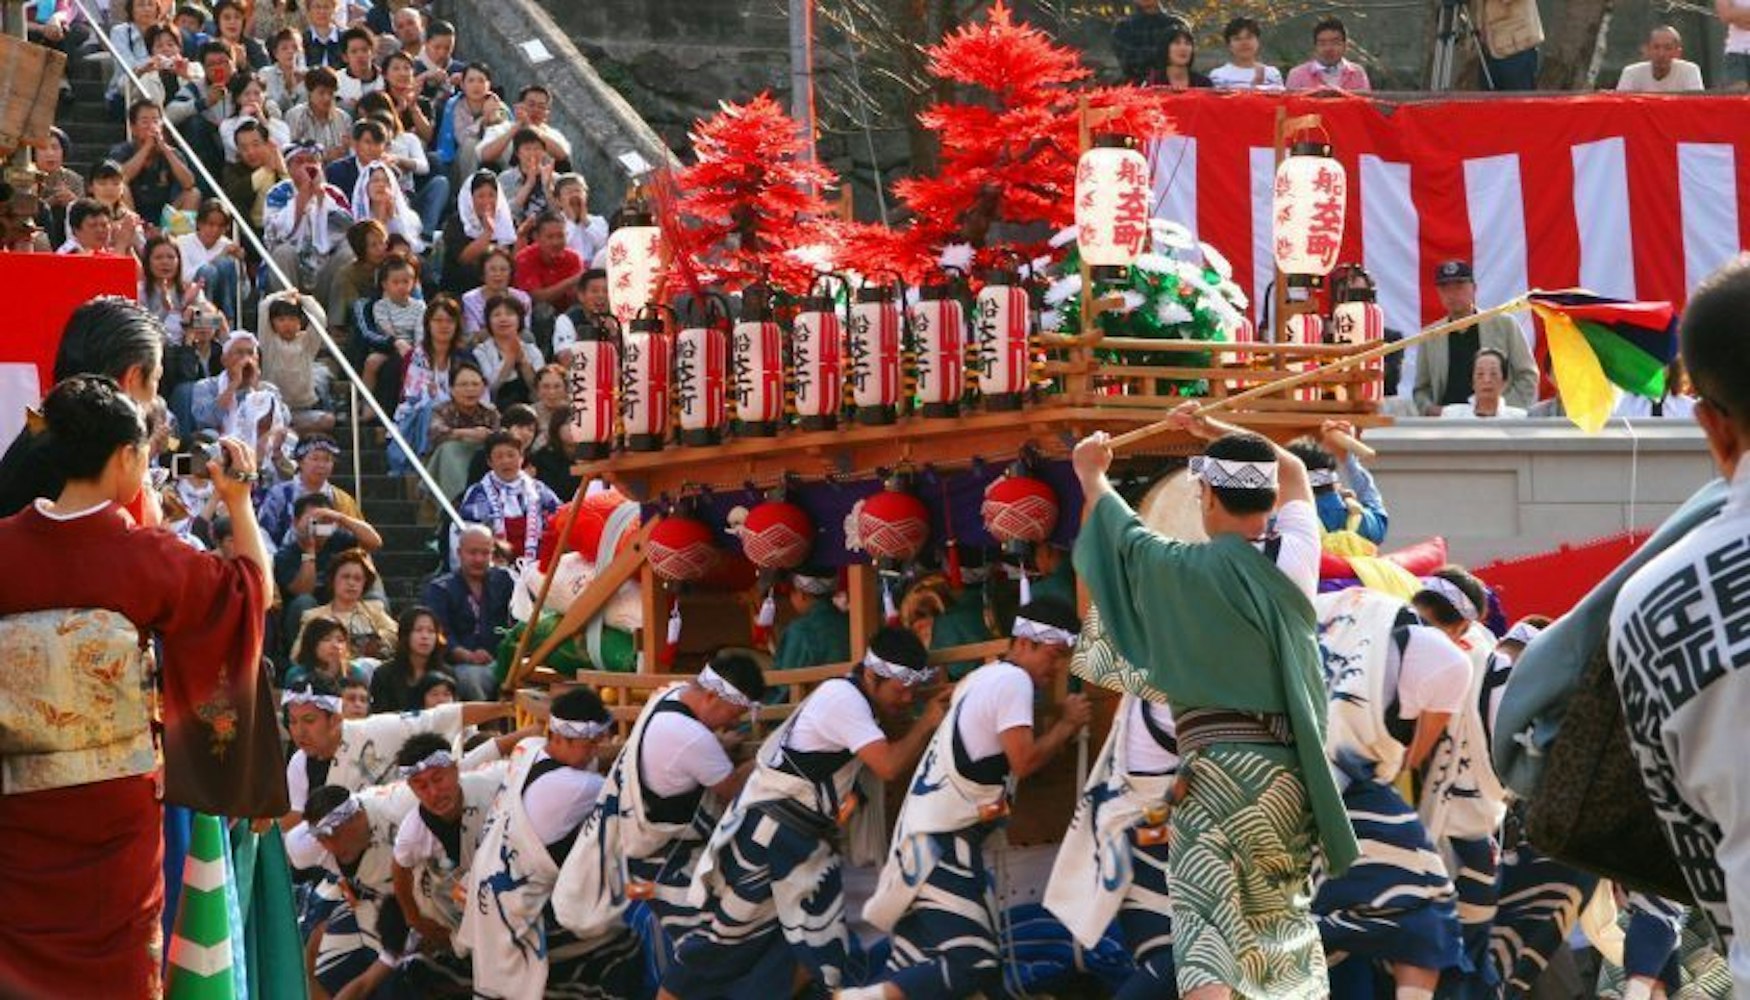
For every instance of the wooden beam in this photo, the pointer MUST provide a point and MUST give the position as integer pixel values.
(655, 613)
(864, 593)
(594, 598)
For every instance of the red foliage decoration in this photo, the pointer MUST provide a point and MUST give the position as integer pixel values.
(1009, 149)
(752, 197)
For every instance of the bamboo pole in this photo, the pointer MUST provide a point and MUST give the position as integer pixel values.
(507, 690)
(1159, 427)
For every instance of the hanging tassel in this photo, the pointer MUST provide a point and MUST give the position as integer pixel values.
(888, 610)
(1026, 585)
(763, 620)
(673, 644)
(955, 579)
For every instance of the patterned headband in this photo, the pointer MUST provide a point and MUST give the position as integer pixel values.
(893, 671)
(326, 702)
(1027, 628)
(814, 586)
(328, 825)
(1228, 474)
(433, 761)
(713, 682)
(578, 729)
(1321, 477)
(1454, 596)
(1522, 632)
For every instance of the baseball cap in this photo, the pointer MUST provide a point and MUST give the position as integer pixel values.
(1453, 270)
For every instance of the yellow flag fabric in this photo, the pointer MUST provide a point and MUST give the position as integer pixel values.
(1385, 576)
(1586, 393)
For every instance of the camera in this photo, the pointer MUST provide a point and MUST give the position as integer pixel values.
(192, 458)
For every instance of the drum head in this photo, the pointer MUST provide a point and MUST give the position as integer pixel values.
(1171, 507)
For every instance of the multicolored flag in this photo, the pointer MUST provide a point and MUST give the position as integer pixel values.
(1595, 343)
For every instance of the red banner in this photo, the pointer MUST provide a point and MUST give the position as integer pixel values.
(46, 290)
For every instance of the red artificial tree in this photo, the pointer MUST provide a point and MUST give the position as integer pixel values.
(1009, 150)
(752, 197)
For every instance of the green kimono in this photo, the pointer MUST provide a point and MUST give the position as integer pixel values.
(962, 625)
(1060, 585)
(818, 636)
(1218, 626)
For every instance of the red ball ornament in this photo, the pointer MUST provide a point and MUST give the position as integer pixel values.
(585, 538)
(893, 525)
(1019, 509)
(777, 535)
(681, 549)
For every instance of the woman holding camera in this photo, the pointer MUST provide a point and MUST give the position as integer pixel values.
(81, 836)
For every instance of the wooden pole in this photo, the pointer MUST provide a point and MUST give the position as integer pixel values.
(1159, 427)
(517, 671)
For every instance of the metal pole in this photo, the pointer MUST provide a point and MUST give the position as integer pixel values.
(802, 72)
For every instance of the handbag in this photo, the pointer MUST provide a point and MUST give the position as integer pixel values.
(1591, 809)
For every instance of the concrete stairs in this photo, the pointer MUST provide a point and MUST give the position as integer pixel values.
(394, 506)
(85, 117)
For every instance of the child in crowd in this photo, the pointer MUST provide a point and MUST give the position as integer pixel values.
(397, 321)
(1243, 71)
(289, 347)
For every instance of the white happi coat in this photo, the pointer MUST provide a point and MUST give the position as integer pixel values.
(1463, 798)
(438, 886)
(1355, 636)
(373, 880)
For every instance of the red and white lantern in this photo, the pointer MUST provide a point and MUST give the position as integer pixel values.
(1304, 328)
(817, 348)
(644, 382)
(681, 549)
(1019, 509)
(777, 534)
(892, 525)
(939, 325)
(1002, 322)
(1309, 209)
(1360, 322)
(701, 380)
(593, 381)
(876, 341)
(757, 356)
(1112, 189)
(634, 262)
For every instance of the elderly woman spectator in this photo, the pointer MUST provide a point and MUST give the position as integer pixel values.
(370, 632)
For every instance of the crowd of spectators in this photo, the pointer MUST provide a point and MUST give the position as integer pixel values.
(431, 223)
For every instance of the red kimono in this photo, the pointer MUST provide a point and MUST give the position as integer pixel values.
(81, 876)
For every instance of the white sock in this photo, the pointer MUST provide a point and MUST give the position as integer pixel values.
(1414, 993)
(1638, 989)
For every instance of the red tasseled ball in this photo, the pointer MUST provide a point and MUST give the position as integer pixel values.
(777, 535)
(1019, 509)
(682, 549)
(893, 525)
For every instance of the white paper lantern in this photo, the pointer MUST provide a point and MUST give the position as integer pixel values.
(634, 258)
(701, 381)
(1361, 322)
(757, 356)
(817, 347)
(876, 342)
(1304, 328)
(1309, 208)
(594, 382)
(1002, 320)
(644, 383)
(1112, 189)
(939, 324)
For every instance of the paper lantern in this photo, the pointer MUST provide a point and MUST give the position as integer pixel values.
(1360, 322)
(593, 381)
(757, 354)
(1304, 328)
(817, 347)
(875, 342)
(1002, 321)
(1019, 509)
(777, 534)
(701, 381)
(939, 326)
(1310, 202)
(634, 260)
(1112, 189)
(681, 549)
(644, 382)
(892, 525)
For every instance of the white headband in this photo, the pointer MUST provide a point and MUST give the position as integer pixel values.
(893, 671)
(1522, 632)
(1321, 477)
(326, 702)
(1454, 596)
(327, 825)
(814, 586)
(1225, 474)
(713, 682)
(1027, 628)
(434, 760)
(579, 730)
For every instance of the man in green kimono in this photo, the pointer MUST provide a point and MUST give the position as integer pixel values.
(1226, 630)
(820, 633)
(964, 621)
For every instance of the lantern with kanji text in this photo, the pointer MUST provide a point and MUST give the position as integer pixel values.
(701, 370)
(876, 340)
(1112, 191)
(817, 347)
(938, 326)
(593, 381)
(1358, 321)
(1002, 322)
(757, 363)
(1304, 328)
(634, 256)
(644, 381)
(1308, 211)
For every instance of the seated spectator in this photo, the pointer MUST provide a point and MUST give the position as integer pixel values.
(284, 75)
(127, 231)
(436, 689)
(481, 221)
(419, 650)
(459, 427)
(368, 242)
(237, 399)
(1179, 71)
(551, 395)
(440, 72)
(319, 533)
(1665, 71)
(592, 300)
(322, 651)
(370, 632)
(401, 87)
(211, 259)
(534, 105)
(58, 185)
(355, 698)
(154, 172)
(1243, 71)
(324, 37)
(520, 422)
(58, 24)
(162, 290)
(407, 25)
(274, 16)
(306, 235)
(245, 49)
(397, 320)
(370, 144)
(472, 606)
(1488, 383)
(585, 233)
(427, 190)
(548, 269)
(289, 346)
(280, 508)
(359, 74)
(210, 104)
(169, 77)
(508, 500)
(1329, 68)
(88, 228)
(191, 20)
(378, 196)
(321, 120)
(470, 112)
(497, 270)
(250, 104)
(505, 358)
(259, 170)
(1678, 403)
(528, 184)
(426, 384)
(129, 38)
(553, 457)
(199, 356)
(1140, 41)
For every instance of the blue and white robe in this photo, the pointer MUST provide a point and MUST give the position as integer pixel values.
(349, 943)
